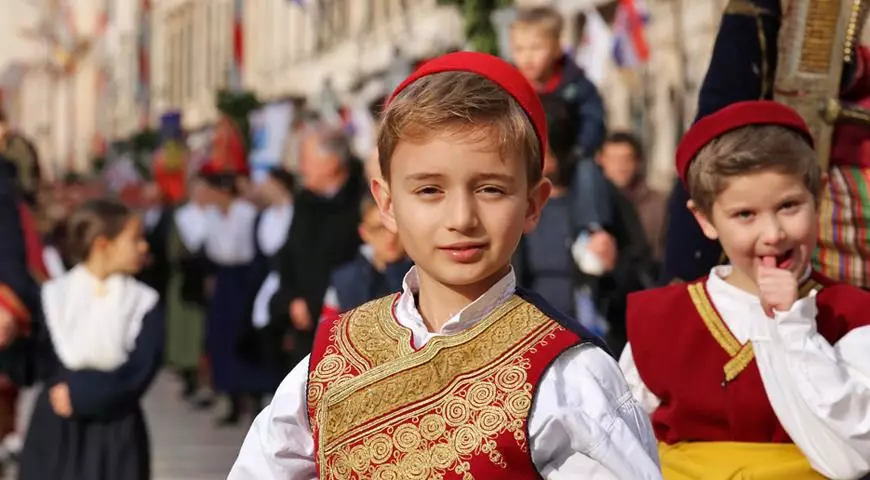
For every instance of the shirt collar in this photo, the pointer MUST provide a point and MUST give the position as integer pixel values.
(716, 285)
(408, 316)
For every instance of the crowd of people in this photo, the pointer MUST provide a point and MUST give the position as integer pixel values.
(484, 296)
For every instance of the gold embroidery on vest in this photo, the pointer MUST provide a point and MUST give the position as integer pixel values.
(455, 396)
(374, 333)
(357, 342)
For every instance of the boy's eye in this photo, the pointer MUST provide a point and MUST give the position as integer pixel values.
(426, 191)
(788, 206)
(491, 190)
(744, 214)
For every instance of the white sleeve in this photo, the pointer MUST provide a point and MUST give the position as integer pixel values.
(820, 392)
(586, 424)
(279, 444)
(638, 389)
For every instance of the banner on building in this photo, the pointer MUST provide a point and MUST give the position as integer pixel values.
(270, 126)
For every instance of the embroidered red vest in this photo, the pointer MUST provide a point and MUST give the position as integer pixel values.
(708, 382)
(454, 409)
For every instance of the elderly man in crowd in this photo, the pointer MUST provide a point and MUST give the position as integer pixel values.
(323, 234)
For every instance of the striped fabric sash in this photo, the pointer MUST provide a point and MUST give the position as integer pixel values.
(844, 249)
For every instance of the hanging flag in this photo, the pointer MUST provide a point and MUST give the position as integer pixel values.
(630, 47)
(594, 53)
(143, 53)
(238, 46)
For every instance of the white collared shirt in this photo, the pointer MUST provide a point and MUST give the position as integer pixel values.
(230, 239)
(584, 422)
(819, 392)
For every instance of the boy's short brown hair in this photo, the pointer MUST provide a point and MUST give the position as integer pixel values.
(747, 150)
(546, 18)
(457, 102)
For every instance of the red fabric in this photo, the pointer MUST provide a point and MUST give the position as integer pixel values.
(10, 302)
(33, 243)
(681, 362)
(228, 151)
(329, 314)
(851, 142)
(732, 117)
(170, 174)
(171, 184)
(535, 360)
(238, 44)
(498, 71)
(552, 84)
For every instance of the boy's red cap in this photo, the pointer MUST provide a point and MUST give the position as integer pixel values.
(732, 117)
(498, 71)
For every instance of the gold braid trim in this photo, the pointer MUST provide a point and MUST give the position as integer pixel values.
(857, 18)
(712, 319)
(741, 354)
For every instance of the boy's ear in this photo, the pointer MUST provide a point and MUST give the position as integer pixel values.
(538, 197)
(100, 243)
(703, 220)
(384, 199)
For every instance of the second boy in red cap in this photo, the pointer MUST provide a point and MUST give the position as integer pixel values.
(762, 369)
(461, 375)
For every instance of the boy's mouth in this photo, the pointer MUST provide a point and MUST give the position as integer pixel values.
(784, 260)
(464, 252)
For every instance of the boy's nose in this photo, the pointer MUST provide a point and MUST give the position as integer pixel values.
(462, 213)
(773, 232)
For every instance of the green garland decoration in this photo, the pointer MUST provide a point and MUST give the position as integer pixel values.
(479, 30)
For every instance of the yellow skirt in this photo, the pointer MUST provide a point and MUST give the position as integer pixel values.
(735, 461)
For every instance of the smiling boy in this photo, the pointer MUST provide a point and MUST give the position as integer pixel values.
(761, 369)
(461, 375)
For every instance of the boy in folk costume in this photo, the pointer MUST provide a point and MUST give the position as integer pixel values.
(766, 369)
(462, 375)
(745, 65)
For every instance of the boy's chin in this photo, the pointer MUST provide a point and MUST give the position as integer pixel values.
(464, 277)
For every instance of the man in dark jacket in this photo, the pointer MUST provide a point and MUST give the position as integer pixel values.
(322, 237)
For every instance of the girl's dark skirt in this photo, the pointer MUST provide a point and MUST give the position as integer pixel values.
(56, 448)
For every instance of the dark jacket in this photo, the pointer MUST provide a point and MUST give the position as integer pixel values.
(156, 272)
(17, 359)
(322, 237)
(358, 282)
(634, 269)
(586, 109)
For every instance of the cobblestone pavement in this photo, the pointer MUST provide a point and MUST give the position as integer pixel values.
(185, 444)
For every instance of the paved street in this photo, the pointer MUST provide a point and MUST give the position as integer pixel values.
(185, 443)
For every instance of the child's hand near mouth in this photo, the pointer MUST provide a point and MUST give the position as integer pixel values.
(778, 288)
